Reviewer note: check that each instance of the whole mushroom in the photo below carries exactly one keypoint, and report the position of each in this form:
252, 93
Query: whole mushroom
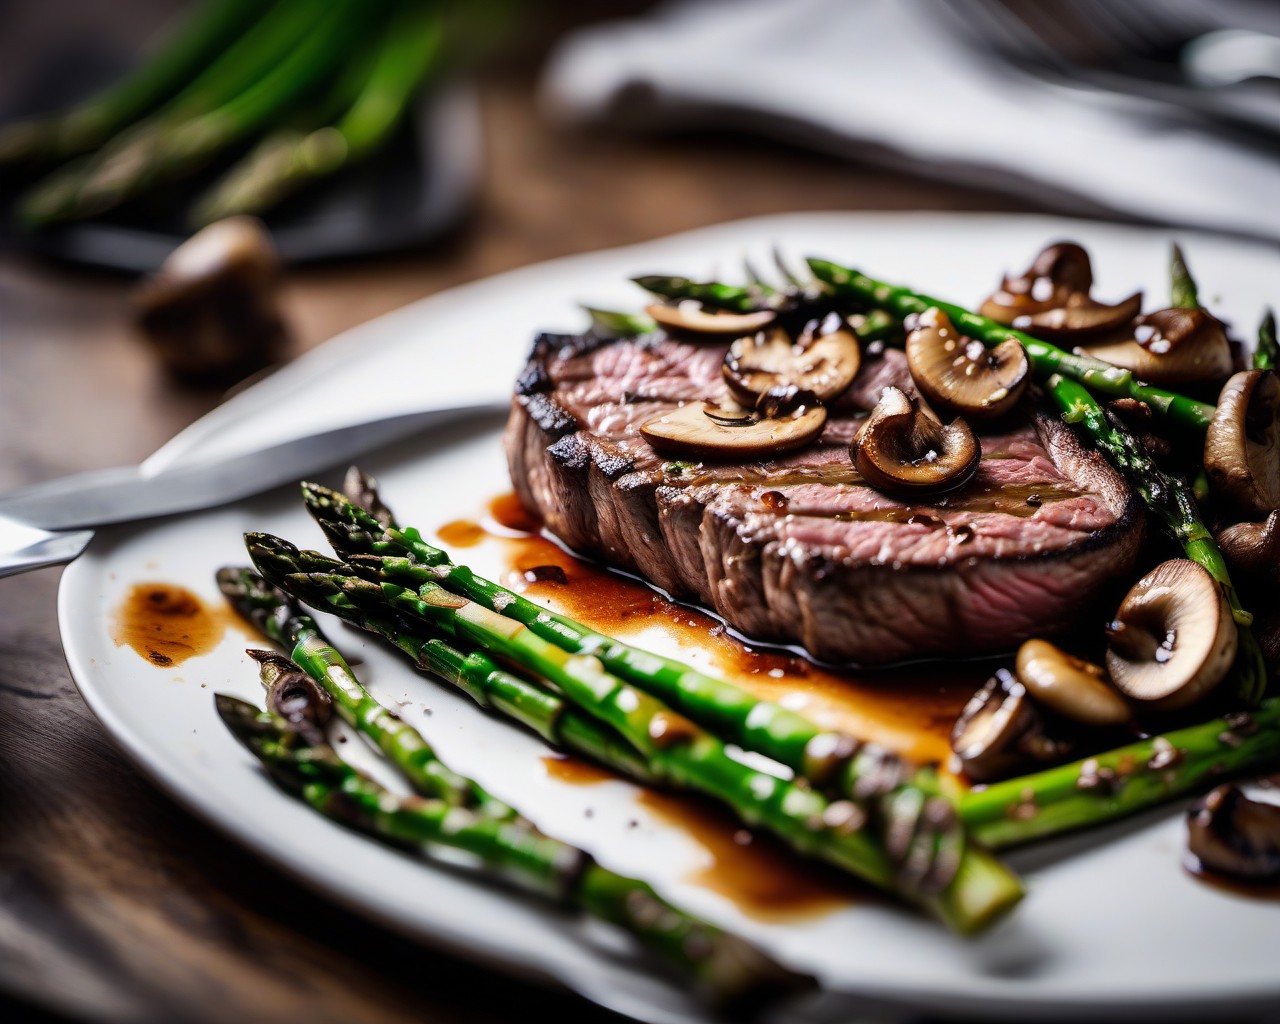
902, 448
1253, 549
1072, 687
1173, 638
1170, 347
1232, 835
211, 311
1242, 444
1000, 733
1053, 297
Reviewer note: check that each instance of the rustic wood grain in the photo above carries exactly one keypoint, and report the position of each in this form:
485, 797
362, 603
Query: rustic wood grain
115, 903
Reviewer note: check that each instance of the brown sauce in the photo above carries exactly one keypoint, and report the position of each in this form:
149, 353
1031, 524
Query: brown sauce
910, 711
167, 624
762, 877
462, 533
507, 512
574, 771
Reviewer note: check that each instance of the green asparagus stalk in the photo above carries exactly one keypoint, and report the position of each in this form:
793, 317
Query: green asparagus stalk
213, 27
1182, 286
1123, 781
727, 968
611, 323
477, 676
399, 555
1170, 500
279, 618
839, 762
1267, 355
204, 122
713, 294
1046, 359
679, 751
291, 160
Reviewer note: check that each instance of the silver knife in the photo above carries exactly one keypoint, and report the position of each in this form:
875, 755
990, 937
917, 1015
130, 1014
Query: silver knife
46, 524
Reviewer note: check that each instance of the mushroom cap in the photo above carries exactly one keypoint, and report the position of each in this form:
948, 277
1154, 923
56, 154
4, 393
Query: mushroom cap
1173, 638
1072, 687
1242, 444
211, 311
902, 448
820, 362
986, 737
960, 375
691, 315
1170, 347
1052, 297
1253, 549
1232, 835
1000, 733
701, 431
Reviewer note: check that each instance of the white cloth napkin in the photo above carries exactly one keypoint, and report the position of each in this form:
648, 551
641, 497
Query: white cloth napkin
886, 81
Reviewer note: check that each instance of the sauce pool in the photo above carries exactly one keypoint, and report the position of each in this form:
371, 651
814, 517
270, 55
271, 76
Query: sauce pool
758, 874
166, 624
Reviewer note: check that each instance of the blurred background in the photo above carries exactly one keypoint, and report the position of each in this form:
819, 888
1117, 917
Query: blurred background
394, 148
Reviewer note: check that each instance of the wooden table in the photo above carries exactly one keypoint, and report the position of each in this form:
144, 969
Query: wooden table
116, 903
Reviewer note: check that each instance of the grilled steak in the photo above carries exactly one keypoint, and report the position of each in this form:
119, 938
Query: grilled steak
798, 549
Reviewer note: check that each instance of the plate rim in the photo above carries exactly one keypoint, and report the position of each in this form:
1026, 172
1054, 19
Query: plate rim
935, 998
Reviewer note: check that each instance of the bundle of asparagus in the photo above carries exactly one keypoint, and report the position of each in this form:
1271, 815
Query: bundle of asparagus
271, 96
448, 809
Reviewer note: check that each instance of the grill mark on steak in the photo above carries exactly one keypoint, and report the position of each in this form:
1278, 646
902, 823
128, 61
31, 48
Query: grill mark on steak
799, 549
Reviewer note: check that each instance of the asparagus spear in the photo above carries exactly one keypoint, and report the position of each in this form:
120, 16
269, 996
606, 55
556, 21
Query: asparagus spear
219, 110
729, 969
290, 160
88, 125
679, 751
280, 619
1267, 355
713, 294
1182, 291
1122, 781
1170, 500
1046, 359
401, 556
476, 675
862, 772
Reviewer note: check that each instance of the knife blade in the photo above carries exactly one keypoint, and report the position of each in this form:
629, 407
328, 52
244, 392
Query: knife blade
127, 493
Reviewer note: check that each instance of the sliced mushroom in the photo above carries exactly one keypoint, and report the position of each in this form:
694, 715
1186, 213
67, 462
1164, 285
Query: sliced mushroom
1052, 297
293, 695
960, 375
701, 431
1170, 347
1242, 446
902, 448
1253, 549
212, 312
822, 361
1232, 835
1072, 687
1173, 638
690, 315
1000, 733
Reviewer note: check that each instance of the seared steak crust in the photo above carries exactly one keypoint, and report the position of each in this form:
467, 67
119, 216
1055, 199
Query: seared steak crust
799, 549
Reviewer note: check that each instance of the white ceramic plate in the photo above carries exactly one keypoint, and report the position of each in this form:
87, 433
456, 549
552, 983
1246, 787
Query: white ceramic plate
1111, 921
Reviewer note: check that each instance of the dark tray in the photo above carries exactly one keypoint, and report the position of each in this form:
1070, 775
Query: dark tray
418, 187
